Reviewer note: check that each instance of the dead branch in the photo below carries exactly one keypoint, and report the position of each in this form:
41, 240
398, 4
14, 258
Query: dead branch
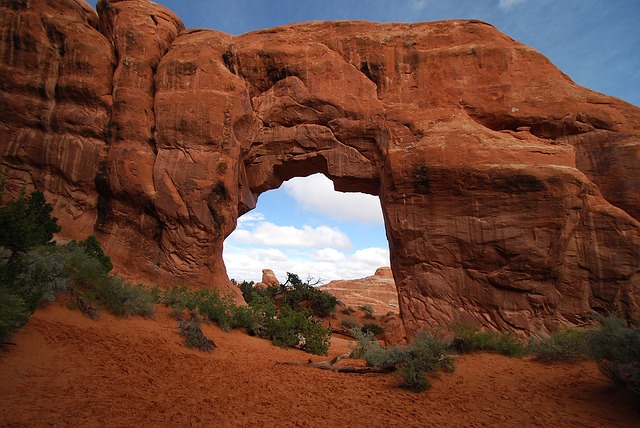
329, 365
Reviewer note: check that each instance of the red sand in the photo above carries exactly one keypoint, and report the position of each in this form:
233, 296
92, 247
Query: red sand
68, 370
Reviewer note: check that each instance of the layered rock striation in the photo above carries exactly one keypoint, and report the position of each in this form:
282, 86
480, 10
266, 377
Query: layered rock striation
511, 195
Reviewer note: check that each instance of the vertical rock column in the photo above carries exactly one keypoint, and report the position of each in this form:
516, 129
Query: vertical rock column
55, 96
141, 33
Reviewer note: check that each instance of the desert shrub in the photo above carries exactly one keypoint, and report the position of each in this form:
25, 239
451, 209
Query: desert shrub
348, 311
348, 323
122, 299
426, 353
368, 310
13, 313
215, 307
372, 327
193, 335
26, 223
567, 345
246, 288
270, 291
321, 303
466, 338
40, 277
374, 354
92, 247
616, 349
294, 328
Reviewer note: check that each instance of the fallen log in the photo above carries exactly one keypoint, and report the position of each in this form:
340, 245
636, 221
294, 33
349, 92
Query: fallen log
329, 365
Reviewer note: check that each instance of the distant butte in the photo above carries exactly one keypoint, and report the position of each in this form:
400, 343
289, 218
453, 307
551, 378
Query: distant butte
511, 195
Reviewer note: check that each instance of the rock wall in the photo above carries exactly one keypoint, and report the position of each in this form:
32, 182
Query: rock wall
511, 196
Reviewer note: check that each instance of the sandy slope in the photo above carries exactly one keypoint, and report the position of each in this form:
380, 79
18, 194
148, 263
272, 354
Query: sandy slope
68, 370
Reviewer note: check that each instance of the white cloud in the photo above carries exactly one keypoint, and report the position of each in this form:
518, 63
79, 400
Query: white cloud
506, 4
328, 255
250, 219
326, 264
315, 193
269, 234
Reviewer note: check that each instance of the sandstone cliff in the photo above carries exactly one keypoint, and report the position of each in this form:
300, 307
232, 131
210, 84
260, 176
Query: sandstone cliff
511, 196
378, 290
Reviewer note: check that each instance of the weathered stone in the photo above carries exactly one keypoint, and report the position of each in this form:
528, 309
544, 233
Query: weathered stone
269, 279
378, 290
511, 195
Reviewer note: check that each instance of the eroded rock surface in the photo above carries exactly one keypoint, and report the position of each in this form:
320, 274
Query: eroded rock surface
511, 195
378, 290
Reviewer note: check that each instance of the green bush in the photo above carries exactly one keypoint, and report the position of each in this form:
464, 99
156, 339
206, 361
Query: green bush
321, 303
294, 328
368, 310
122, 299
41, 276
372, 327
13, 313
566, 345
348, 323
348, 311
209, 303
616, 349
26, 223
426, 353
374, 354
466, 338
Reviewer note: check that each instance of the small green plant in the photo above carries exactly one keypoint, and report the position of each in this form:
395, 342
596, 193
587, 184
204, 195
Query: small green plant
616, 349
368, 311
372, 327
295, 328
13, 313
348, 311
467, 338
567, 345
297, 292
122, 299
426, 353
348, 323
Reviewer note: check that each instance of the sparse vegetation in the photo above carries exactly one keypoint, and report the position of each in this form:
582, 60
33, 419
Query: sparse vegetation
566, 345
348, 323
34, 270
373, 328
348, 311
616, 349
467, 338
426, 353
368, 311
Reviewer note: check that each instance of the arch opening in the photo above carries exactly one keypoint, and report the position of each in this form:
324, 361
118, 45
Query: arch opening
308, 228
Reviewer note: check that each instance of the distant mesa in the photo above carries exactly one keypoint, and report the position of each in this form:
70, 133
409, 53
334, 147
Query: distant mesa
511, 195
379, 291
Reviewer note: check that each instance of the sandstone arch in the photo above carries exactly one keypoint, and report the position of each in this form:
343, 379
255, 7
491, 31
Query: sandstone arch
511, 195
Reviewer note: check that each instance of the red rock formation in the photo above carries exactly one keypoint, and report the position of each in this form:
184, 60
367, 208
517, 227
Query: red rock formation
269, 279
511, 196
378, 290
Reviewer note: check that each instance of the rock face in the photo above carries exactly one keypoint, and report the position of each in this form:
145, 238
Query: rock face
511, 196
269, 279
378, 290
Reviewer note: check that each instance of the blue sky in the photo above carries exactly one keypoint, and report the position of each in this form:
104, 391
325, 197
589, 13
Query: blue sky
595, 42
